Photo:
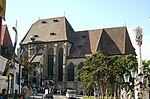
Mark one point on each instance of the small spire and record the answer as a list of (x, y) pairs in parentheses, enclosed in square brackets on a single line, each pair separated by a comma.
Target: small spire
[(64, 13)]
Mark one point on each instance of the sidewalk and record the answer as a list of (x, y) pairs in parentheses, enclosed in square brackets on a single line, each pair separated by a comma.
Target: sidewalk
[(79, 97), (41, 96)]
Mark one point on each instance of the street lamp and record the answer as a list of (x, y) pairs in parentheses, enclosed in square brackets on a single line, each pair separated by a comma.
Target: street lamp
[(134, 75), (140, 78), (12, 80), (126, 77)]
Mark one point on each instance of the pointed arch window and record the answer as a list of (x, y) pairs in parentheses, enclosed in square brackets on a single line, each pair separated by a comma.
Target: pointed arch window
[(81, 64), (60, 64), (50, 63), (70, 72), (34, 80), (34, 73)]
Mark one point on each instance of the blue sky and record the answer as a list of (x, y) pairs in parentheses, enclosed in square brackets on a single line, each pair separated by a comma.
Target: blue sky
[(83, 15)]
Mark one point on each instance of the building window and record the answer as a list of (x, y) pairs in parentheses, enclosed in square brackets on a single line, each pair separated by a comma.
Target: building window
[(39, 48), (79, 46), (34, 73), (50, 63), (52, 33), (31, 49), (70, 72), (81, 64), (43, 21), (83, 36), (60, 64), (34, 80), (55, 20)]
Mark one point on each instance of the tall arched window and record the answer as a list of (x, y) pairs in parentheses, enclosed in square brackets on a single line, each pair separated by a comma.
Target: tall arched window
[(60, 64), (81, 64), (34, 80), (50, 63), (34, 73), (70, 72)]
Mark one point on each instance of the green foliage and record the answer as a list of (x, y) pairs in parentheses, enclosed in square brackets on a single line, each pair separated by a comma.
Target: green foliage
[(146, 67), (90, 97), (99, 70)]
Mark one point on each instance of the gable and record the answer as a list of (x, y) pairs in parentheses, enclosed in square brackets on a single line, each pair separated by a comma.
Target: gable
[(7, 46), (48, 30)]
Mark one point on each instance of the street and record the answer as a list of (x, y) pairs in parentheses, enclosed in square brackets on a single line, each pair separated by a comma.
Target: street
[(55, 97), (59, 97), (64, 97)]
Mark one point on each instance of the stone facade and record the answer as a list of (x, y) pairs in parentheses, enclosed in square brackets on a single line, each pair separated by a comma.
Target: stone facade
[(56, 51)]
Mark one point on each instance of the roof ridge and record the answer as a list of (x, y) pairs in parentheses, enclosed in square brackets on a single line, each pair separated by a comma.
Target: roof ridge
[(115, 27)]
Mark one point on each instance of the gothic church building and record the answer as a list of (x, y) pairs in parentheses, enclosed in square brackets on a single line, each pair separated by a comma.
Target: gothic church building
[(56, 51)]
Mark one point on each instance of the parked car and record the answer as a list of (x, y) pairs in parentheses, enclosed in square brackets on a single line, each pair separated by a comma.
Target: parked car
[(67, 90), (70, 94), (49, 96)]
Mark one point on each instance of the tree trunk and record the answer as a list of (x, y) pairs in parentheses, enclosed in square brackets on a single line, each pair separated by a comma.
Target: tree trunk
[(115, 91), (107, 93)]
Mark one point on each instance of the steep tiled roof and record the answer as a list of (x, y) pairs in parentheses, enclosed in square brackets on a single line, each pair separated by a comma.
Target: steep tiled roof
[(86, 42), (4, 28), (6, 42), (109, 41), (49, 30), (113, 41)]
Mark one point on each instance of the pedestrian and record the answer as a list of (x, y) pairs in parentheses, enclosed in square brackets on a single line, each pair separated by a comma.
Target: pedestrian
[(96, 93), (4, 96), (124, 93), (1, 97), (139, 95), (20, 97)]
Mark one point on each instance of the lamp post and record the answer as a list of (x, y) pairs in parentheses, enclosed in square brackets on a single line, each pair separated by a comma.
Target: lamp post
[(134, 76), (12, 80), (126, 77), (138, 39)]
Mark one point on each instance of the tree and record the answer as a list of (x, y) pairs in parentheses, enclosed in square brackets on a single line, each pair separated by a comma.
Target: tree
[(146, 66), (93, 72), (146, 71), (105, 72)]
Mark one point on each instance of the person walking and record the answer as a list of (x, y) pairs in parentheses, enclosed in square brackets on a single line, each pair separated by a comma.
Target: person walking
[(20, 97), (96, 93), (1, 97)]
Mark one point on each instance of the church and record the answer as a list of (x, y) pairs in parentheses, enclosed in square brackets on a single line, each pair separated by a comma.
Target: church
[(56, 51)]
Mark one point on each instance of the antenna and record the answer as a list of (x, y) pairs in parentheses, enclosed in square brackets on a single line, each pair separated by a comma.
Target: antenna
[(64, 13)]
